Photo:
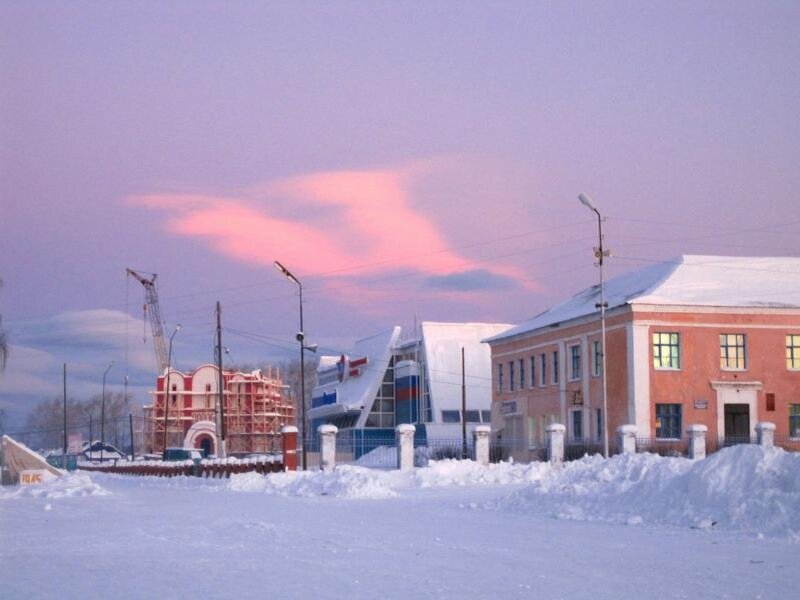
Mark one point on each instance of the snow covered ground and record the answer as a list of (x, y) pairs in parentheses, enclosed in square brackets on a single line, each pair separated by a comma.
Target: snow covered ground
[(632, 526)]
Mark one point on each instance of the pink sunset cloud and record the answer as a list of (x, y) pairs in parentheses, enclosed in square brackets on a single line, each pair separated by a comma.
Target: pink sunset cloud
[(339, 224)]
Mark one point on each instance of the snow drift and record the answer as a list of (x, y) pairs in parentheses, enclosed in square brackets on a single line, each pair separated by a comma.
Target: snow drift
[(68, 486), (745, 487)]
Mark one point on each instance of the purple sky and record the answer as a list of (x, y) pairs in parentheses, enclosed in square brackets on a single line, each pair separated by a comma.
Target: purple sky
[(401, 159)]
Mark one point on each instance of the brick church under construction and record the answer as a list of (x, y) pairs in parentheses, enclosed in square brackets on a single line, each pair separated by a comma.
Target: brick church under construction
[(256, 407)]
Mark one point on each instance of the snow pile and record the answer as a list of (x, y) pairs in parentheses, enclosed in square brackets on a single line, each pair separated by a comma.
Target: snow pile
[(68, 486), (345, 482), (351, 481), (744, 487)]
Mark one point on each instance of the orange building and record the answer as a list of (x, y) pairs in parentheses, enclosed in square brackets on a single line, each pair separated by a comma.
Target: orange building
[(697, 340), (256, 407)]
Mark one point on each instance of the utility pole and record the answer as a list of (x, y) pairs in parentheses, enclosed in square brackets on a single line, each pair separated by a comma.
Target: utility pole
[(463, 407), (64, 455), (130, 423), (221, 451)]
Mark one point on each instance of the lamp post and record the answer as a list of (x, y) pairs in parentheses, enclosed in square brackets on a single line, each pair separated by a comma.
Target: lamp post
[(301, 339), (166, 385), (600, 254), (103, 414)]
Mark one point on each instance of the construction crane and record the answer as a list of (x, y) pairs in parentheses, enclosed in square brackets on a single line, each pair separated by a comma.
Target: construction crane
[(152, 313)]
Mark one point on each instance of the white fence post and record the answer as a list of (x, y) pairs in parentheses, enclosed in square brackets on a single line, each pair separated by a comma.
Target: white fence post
[(555, 443), (765, 432), (327, 443), (627, 438), (405, 446), (480, 439), (697, 441)]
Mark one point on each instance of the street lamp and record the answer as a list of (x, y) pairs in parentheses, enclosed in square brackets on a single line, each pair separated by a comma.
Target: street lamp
[(166, 385), (600, 254), (300, 337), (103, 414)]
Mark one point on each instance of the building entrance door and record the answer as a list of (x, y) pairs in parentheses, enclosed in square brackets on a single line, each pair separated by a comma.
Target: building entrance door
[(737, 424)]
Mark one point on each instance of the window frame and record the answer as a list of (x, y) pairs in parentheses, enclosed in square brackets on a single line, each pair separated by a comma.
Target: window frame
[(793, 351), (794, 417), (573, 437), (740, 352), (575, 373), (521, 374), (597, 358), (533, 370), (678, 357), (673, 426), (555, 367), (543, 369), (499, 378), (511, 376)]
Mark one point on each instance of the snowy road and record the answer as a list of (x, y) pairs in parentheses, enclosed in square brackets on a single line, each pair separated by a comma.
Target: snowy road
[(154, 538)]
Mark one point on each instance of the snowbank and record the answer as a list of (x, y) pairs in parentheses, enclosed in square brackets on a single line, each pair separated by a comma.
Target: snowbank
[(68, 486), (744, 487)]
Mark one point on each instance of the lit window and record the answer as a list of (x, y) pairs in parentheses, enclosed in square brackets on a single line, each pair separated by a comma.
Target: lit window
[(668, 421), (793, 351), (732, 351), (575, 362), (666, 351)]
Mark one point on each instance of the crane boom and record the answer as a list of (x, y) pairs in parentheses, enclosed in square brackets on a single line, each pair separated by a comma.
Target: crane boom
[(152, 313)]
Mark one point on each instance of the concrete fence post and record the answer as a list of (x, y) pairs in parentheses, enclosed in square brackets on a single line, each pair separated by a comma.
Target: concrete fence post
[(765, 432), (697, 441), (405, 446), (627, 438), (555, 443), (289, 439), (480, 439), (327, 446)]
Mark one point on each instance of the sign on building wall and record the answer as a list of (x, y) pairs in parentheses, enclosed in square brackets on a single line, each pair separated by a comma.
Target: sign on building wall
[(508, 408), (701, 404)]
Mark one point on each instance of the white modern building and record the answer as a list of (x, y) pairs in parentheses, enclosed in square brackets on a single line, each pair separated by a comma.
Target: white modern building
[(391, 378)]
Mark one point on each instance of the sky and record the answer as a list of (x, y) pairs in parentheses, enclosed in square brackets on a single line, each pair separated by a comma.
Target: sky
[(406, 161)]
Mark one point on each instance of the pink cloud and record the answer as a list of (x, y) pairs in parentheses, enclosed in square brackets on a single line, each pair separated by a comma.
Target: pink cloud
[(343, 223)]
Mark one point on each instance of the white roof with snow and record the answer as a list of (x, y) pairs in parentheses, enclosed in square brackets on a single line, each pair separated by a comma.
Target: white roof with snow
[(689, 280), (355, 393), (443, 342)]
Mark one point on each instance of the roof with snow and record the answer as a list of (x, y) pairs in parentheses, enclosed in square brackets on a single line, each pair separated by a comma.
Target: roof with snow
[(443, 343), (688, 280)]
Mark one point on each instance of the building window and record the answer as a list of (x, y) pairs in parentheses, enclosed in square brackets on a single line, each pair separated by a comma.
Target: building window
[(450, 416), (486, 416), (382, 413), (793, 351), (667, 351), (473, 416), (575, 362), (533, 371), (794, 420), (599, 423), (511, 376), (543, 369), (521, 373), (668, 421), (577, 425), (499, 378), (732, 351), (597, 359), (555, 366)]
